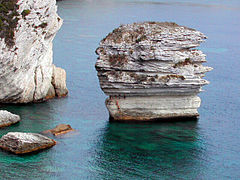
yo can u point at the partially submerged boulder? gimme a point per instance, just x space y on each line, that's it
22 143
59 81
58 87
7 118
60 129
151 71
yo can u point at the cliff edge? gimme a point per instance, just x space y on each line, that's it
27 29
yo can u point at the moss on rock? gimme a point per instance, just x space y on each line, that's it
43 25
25 13
187 61
118 60
8 20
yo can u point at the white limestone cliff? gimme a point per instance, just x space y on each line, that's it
26 56
151 71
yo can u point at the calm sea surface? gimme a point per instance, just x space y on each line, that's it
205 149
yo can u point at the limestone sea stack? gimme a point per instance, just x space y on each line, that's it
27 29
22 143
151 71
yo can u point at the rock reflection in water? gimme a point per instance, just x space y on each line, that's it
156 149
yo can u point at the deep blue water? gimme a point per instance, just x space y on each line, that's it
204 149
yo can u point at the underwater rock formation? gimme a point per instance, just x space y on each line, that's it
7 118
27 29
151 71
22 143
59 129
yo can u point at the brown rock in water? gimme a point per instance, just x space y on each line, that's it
22 143
60 129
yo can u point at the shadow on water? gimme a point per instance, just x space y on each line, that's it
129 150
157 120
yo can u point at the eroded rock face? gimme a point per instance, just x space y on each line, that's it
59 81
7 118
26 34
151 70
22 143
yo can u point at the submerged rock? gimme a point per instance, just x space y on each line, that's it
21 143
60 129
26 34
151 71
7 118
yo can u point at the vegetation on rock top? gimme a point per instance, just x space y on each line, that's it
8 20
137 32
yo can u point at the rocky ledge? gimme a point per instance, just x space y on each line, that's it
27 29
151 71
22 143
7 118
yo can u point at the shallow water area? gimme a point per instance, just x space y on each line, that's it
99 149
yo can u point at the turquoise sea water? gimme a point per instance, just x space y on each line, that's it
204 149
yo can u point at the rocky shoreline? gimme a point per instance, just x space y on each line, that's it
24 143
27 72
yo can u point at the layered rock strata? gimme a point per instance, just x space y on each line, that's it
22 143
7 118
151 71
27 29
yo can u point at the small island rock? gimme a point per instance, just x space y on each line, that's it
60 129
151 70
22 143
7 118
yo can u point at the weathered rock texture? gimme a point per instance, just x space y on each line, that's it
60 129
7 118
27 29
150 71
21 143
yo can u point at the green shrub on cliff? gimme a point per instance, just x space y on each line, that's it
25 13
8 20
